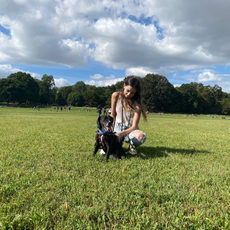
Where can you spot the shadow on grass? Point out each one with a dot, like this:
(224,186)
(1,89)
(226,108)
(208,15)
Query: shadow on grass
(153,152)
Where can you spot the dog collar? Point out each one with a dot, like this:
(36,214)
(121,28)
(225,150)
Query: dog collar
(103,133)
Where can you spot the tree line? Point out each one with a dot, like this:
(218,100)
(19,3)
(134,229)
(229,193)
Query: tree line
(158,94)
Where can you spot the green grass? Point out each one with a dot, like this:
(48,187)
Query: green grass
(49,179)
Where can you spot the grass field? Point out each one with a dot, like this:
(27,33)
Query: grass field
(49,179)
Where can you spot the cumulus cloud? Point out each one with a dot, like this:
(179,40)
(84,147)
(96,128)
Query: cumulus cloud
(208,76)
(6,70)
(99,80)
(62,82)
(140,36)
(110,77)
(96,76)
(138,71)
(68,32)
(104,82)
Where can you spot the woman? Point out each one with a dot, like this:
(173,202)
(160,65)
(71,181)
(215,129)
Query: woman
(126,109)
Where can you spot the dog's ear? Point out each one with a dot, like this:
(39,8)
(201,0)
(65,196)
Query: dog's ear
(99,123)
(111,119)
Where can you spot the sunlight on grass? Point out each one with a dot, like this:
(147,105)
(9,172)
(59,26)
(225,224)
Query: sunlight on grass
(49,178)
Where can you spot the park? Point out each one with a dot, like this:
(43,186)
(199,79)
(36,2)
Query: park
(161,67)
(49,179)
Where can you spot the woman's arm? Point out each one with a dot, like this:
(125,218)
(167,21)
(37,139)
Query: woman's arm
(114,98)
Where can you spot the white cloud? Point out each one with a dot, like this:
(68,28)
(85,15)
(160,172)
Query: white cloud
(177,85)
(67,32)
(6,70)
(104,82)
(34,75)
(110,77)
(226,87)
(62,82)
(138,71)
(96,76)
(208,76)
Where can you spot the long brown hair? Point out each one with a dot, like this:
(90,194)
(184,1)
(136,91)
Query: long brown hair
(136,98)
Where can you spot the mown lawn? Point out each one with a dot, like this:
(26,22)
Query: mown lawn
(49,179)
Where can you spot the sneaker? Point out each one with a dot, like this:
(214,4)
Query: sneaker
(132,149)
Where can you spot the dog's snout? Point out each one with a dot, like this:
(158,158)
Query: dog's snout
(108,124)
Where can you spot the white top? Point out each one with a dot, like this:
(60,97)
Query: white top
(126,114)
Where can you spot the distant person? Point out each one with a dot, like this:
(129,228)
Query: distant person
(109,111)
(105,112)
(99,110)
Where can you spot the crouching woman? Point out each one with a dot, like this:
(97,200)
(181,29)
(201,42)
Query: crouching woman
(126,109)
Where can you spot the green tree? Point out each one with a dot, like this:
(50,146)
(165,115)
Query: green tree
(5,94)
(226,106)
(46,94)
(108,91)
(189,93)
(63,94)
(79,87)
(76,99)
(91,97)
(158,94)
(212,96)
(19,87)
(119,85)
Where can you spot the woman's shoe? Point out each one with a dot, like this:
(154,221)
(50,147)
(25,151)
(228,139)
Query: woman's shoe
(132,149)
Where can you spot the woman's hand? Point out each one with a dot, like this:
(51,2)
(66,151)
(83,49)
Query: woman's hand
(118,135)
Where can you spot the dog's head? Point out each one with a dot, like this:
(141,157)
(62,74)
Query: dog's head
(104,123)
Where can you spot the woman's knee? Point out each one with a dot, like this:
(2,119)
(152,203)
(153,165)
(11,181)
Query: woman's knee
(138,135)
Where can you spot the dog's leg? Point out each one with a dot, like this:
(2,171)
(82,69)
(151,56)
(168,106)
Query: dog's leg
(96,147)
(107,152)
(121,152)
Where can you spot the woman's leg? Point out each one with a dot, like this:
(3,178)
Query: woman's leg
(136,138)
(139,135)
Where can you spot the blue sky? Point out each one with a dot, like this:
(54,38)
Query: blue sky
(101,42)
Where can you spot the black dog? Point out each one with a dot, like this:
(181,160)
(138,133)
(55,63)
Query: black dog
(106,139)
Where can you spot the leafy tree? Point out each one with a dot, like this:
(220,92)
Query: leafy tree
(46,93)
(158,94)
(119,85)
(63,94)
(79,87)
(19,87)
(212,96)
(91,97)
(189,93)
(76,99)
(108,91)
(226,106)
(4,92)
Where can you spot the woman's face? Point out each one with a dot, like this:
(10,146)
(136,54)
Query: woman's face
(129,91)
